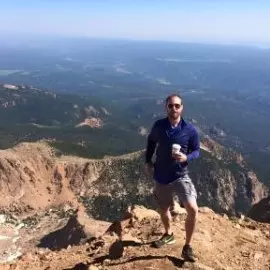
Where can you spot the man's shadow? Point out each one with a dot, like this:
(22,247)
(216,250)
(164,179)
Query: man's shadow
(116,252)
(82,266)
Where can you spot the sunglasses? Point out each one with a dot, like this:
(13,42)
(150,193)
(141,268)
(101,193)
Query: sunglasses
(176,106)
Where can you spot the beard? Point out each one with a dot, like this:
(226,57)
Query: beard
(174,115)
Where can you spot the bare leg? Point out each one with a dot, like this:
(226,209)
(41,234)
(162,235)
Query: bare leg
(166,219)
(192,214)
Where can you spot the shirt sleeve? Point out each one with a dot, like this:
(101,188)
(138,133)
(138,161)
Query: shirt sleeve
(194,147)
(151,143)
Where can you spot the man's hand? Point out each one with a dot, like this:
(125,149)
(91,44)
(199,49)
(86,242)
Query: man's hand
(149,167)
(181,157)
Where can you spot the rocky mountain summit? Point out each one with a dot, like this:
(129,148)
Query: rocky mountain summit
(220,243)
(65,212)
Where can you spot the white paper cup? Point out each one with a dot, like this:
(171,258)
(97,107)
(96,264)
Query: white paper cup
(176,148)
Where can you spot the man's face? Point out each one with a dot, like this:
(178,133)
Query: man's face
(174,107)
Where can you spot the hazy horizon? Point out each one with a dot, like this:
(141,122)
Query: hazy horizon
(205,21)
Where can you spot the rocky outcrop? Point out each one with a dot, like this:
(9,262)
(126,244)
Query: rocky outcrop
(92,122)
(27,177)
(261,211)
(224,181)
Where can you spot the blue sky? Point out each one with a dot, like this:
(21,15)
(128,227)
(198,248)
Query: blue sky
(245,22)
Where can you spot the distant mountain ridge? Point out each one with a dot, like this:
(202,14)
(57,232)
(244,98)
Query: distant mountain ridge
(22,104)
(30,179)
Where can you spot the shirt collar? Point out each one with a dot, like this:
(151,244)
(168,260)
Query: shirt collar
(180,125)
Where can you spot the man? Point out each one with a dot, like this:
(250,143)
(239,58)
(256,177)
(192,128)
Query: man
(170,170)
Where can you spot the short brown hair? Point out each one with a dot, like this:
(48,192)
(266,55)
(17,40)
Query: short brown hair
(173,95)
